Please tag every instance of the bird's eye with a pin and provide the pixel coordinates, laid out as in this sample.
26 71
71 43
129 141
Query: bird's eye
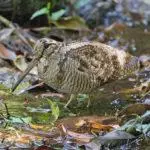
46 45
45 42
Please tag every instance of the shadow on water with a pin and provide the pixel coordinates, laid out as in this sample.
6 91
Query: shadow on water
105 101
109 99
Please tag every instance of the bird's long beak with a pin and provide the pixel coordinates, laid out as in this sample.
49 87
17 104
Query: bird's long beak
31 65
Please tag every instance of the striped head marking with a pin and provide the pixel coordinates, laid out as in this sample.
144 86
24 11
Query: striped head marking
45 47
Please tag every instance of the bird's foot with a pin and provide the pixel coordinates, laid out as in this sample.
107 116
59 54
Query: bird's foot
72 97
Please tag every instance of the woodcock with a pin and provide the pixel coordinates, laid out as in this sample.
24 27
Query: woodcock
80 67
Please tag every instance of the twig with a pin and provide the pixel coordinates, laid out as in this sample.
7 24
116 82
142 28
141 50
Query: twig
9 24
6 22
7 112
30 88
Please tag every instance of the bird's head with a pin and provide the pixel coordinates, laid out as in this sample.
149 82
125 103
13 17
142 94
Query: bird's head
43 47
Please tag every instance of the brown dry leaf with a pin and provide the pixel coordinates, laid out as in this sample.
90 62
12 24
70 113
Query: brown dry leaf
82 138
117 27
131 35
18 137
83 124
24 139
100 127
80 123
138 108
6 54
8 136
129 91
142 88
72 23
21 64
33 126
50 94
92 126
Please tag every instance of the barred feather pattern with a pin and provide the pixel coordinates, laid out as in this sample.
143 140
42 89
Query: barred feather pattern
81 67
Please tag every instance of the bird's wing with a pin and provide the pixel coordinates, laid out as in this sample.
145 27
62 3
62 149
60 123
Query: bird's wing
98 60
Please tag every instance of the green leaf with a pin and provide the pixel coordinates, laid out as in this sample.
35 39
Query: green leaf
40 12
20 120
44 115
58 14
49 5
55 111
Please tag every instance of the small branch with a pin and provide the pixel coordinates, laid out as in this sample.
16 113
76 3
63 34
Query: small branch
10 25
7 112
6 22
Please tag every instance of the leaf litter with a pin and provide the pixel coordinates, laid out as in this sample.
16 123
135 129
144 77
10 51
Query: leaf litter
44 123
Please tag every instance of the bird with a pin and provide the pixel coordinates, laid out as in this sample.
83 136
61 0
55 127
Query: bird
80 66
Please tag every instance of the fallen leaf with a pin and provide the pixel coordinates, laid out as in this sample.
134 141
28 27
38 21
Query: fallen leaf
142 88
80 123
50 94
6 54
100 127
92 126
117 27
85 138
83 122
138 108
115 135
34 126
21 64
71 23
5 33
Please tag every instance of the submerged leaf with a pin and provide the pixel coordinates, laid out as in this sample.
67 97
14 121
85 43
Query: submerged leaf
78 136
137 108
45 114
20 119
55 111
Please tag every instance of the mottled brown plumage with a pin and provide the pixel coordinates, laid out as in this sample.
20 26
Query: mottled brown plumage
81 67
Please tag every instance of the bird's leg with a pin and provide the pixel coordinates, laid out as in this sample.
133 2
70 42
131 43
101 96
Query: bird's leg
91 97
72 97
89 101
